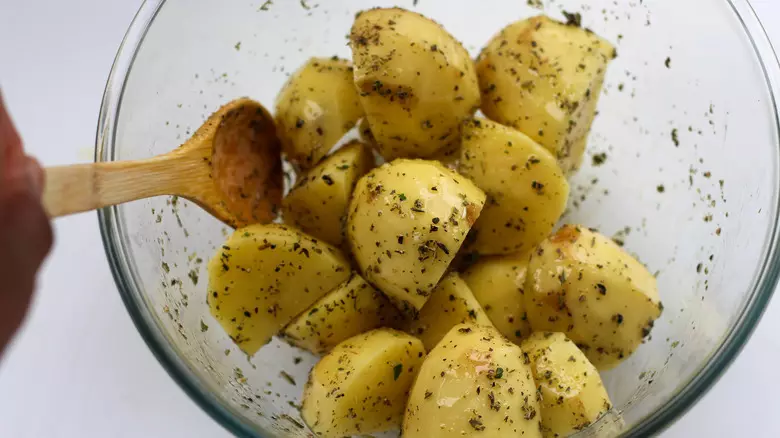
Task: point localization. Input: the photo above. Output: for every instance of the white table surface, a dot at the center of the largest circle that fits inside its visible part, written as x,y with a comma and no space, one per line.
79,368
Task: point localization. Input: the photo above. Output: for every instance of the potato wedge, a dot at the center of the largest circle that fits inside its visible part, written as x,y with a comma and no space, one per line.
362,385
318,202
416,82
544,78
527,191
316,107
407,220
584,285
473,384
498,284
451,303
352,308
263,276
573,395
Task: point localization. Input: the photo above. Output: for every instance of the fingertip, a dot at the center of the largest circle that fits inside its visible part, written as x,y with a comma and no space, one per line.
35,176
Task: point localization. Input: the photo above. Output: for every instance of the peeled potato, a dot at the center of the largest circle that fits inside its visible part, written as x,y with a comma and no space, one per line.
354,307
316,107
473,384
584,285
407,220
498,284
526,189
573,395
416,82
317,204
265,275
451,303
544,78
362,385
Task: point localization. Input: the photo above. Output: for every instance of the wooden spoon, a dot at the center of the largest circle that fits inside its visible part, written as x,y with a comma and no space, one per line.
231,167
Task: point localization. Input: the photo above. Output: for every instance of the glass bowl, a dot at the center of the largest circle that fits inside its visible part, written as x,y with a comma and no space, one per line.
682,168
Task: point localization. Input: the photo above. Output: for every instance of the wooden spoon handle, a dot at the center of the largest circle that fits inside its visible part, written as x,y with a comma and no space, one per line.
84,187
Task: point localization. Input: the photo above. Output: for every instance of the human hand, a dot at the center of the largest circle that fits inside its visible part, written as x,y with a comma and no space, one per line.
25,231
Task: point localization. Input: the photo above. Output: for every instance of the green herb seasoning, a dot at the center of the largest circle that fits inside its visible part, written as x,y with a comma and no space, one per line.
397,371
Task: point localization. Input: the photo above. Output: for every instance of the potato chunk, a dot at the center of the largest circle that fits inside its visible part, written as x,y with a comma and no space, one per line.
354,307
498,284
544,78
573,395
362,385
416,82
473,384
584,285
316,107
451,303
407,220
526,190
265,275
317,204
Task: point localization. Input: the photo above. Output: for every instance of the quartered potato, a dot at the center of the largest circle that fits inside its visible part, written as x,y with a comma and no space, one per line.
416,82
354,307
526,189
317,204
584,285
498,284
544,78
473,384
263,276
573,395
407,220
316,107
362,385
451,303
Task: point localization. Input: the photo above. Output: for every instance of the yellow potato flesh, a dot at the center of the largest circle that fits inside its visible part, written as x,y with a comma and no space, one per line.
265,275
316,107
498,284
352,308
362,385
451,303
544,78
584,285
416,82
407,220
573,396
317,204
526,189
473,384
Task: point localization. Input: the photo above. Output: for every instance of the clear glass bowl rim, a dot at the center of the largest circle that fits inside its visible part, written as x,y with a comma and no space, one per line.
115,244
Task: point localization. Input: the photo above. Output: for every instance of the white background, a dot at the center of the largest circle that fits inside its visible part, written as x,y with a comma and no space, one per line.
79,368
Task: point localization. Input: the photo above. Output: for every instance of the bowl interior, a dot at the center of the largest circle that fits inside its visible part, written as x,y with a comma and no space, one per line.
681,169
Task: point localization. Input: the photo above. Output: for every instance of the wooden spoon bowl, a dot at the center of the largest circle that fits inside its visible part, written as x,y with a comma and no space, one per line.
231,167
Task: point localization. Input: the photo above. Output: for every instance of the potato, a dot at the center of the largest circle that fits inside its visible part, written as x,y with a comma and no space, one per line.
526,190
362,385
416,82
544,78
473,384
354,307
407,220
316,107
584,285
365,134
498,284
573,395
265,275
451,303
317,204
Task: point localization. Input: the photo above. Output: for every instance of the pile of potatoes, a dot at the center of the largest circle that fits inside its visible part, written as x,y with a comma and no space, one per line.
366,269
